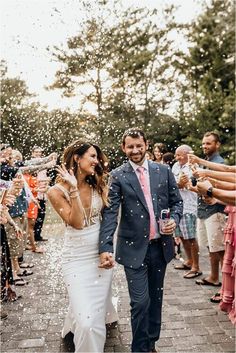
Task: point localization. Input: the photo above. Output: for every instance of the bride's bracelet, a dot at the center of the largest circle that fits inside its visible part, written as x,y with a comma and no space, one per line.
74,197
74,190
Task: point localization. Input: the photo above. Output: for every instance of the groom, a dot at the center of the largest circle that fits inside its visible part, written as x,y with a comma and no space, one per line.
143,189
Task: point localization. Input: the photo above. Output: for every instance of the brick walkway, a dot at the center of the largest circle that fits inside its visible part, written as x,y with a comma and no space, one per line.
191,323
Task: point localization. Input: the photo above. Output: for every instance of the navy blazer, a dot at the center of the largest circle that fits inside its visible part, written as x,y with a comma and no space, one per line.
133,231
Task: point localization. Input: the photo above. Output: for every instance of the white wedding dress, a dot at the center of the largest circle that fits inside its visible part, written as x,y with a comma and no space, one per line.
89,287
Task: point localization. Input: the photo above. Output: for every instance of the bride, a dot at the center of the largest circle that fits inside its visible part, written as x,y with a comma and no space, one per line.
78,197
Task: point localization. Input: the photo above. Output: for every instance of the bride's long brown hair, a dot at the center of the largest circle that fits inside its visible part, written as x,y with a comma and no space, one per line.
98,179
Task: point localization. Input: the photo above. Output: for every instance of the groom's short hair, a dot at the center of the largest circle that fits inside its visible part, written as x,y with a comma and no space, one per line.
134,132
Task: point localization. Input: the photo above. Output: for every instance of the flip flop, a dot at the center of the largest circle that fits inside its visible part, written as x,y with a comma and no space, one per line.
26,265
192,274
39,250
182,267
216,298
205,282
20,282
25,273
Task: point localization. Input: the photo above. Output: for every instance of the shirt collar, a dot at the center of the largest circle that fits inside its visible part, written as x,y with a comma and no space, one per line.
136,166
212,156
183,165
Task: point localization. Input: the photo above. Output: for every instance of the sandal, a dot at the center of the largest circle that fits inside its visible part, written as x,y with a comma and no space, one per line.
20,282
192,274
183,266
38,250
25,273
216,298
205,282
26,265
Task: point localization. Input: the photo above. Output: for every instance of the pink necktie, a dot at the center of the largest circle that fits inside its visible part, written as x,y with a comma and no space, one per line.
148,198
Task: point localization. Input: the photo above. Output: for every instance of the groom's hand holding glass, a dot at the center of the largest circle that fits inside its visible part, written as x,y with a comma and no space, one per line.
168,227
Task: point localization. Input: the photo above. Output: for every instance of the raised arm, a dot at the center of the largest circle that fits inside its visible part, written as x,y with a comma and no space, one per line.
71,212
38,161
37,168
223,176
211,165
226,196
222,184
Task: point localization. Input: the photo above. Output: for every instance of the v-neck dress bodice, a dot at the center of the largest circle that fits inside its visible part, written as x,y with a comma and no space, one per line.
95,211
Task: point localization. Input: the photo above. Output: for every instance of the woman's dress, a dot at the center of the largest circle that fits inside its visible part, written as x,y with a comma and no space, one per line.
89,287
229,264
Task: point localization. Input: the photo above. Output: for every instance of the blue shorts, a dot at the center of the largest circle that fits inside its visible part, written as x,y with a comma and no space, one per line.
187,227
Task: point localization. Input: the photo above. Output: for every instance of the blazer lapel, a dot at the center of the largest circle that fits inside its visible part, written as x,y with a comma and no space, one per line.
134,183
154,175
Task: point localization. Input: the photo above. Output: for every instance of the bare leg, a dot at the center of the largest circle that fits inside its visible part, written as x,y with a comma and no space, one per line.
215,259
221,255
194,254
31,223
15,267
187,248
34,248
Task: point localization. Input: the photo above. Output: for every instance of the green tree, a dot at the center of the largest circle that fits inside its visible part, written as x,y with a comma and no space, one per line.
208,98
60,129
18,112
121,62
24,123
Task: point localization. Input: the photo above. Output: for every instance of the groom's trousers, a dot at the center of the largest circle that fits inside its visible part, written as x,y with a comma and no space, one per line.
146,291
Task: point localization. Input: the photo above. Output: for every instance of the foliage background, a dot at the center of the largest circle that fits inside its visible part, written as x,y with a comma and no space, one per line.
127,64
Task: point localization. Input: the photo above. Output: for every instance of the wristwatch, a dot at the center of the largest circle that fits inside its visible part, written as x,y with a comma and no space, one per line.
209,191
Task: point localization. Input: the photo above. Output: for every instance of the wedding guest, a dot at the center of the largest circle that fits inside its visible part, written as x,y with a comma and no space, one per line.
186,230
211,218
158,150
43,180
169,159
149,156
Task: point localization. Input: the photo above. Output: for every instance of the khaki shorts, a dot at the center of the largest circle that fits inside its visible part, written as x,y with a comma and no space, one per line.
16,245
210,232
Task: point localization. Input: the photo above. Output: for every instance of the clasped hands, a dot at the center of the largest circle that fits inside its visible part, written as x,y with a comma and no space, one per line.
106,260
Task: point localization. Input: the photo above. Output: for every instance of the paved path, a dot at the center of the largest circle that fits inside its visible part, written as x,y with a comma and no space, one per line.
191,323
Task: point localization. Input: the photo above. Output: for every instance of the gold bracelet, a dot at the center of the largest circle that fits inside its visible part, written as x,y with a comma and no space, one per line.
75,190
74,197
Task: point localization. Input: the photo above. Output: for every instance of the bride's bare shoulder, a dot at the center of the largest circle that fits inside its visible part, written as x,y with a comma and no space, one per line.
57,189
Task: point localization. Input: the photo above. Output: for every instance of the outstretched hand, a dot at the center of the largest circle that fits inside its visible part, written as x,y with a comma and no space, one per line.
66,176
199,173
192,159
203,186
